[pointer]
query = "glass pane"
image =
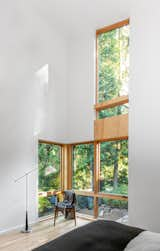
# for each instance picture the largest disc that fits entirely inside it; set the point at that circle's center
(84, 204)
(113, 63)
(114, 111)
(115, 210)
(46, 205)
(83, 165)
(114, 167)
(49, 162)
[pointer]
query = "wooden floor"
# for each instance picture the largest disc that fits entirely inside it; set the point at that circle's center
(42, 232)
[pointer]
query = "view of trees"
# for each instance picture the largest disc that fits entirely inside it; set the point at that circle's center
(83, 164)
(113, 76)
(114, 167)
(49, 173)
(85, 204)
(113, 63)
(114, 111)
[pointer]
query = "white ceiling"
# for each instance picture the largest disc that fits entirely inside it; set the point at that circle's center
(29, 27)
(70, 16)
(77, 16)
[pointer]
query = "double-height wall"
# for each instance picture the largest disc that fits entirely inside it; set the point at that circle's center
(97, 169)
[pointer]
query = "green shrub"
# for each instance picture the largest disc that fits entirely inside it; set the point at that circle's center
(44, 204)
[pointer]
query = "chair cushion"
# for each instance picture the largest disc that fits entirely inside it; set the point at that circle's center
(53, 199)
(64, 204)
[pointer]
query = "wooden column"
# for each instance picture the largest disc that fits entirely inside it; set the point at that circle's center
(96, 175)
(69, 166)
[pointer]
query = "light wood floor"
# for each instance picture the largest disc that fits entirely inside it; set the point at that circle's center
(42, 232)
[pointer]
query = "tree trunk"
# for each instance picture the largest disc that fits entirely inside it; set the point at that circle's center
(115, 174)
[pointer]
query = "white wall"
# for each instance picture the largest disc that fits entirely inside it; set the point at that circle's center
(27, 44)
(29, 40)
(81, 89)
(144, 174)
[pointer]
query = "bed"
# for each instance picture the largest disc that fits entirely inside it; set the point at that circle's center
(100, 235)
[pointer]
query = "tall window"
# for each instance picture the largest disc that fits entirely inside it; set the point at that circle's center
(105, 194)
(113, 62)
(112, 109)
(49, 176)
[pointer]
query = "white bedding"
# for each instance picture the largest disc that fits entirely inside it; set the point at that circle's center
(145, 241)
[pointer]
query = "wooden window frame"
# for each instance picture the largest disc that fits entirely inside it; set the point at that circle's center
(95, 193)
(66, 172)
(100, 124)
(119, 100)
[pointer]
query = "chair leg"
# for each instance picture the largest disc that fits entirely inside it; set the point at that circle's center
(75, 216)
(65, 213)
(55, 215)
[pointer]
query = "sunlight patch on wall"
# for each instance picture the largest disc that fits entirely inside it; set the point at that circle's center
(41, 93)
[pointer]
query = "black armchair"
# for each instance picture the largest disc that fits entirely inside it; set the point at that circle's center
(65, 202)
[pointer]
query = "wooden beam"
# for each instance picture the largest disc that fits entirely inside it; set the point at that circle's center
(113, 128)
(96, 175)
(84, 193)
(112, 26)
(62, 163)
(111, 103)
(102, 195)
(50, 142)
(95, 203)
(96, 166)
(112, 196)
(97, 73)
(64, 167)
(82, 142)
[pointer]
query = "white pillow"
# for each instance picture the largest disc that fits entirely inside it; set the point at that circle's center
(145, 241)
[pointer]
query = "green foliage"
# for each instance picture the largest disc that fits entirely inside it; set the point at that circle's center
(114, 111)
(113, 74)
(113, 203)
(49, 155)
(84, 202)
(44, 204)
(83, 163)
(113, 69)
(114, 155)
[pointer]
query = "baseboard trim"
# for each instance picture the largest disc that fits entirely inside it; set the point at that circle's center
(18, 227)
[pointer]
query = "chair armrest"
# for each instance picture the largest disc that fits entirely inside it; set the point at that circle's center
(57, 196)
